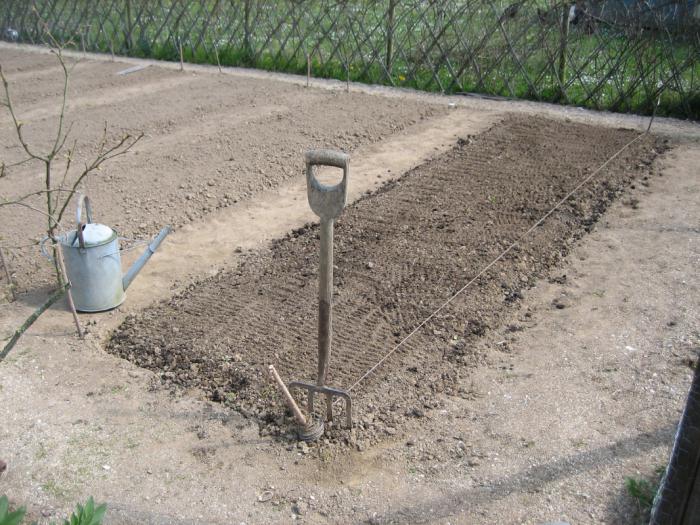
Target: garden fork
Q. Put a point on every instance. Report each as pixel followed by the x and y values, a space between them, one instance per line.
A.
pixel 327 202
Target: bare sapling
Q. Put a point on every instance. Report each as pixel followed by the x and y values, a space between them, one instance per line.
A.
pixel 63 176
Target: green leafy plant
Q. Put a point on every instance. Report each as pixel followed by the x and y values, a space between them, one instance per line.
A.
pixel 7 517
pixel 87 515
pixel 83 515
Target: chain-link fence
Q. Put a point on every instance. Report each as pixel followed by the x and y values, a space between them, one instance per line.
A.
pixel 621 55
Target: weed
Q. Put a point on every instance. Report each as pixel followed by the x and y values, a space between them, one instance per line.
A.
pixel 643 492
pixel 42 453
pixel 7 517
pixel 87 515
pixel 117 389
pixel 54 489
pixel 82 515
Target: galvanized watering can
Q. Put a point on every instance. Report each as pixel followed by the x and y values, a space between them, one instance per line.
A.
pixel 93 262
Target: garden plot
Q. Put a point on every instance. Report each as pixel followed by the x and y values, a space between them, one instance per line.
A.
pixel 400 253
pixel 211 142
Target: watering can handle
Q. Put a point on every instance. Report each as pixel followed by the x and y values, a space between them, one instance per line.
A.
pixel 327 201
pixel 42 247
pixel 79 217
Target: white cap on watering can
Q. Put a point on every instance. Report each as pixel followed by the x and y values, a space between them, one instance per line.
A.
pixel 94 233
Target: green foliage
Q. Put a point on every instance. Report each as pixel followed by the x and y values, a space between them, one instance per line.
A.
pixel 7 517
pixel 643 492
pixel 83 515
pixel 87 515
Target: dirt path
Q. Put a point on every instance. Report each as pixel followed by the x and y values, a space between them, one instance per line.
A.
pixel 212 142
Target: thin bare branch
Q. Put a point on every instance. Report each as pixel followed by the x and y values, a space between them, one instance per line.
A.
pixel 32 194
pixel 120 148
pixel 33 208
pixel 60 137
pixel 17 123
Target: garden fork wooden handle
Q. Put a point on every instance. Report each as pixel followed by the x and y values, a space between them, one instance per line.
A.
pixel 327 201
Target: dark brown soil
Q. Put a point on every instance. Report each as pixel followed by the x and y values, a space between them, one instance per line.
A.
pixel 399 255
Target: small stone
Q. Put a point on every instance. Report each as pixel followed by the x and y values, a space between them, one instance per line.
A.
pixel 560 303
pixel 265 496
pixel 370 265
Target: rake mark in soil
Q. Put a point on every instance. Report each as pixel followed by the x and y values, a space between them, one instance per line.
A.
pixel 399 254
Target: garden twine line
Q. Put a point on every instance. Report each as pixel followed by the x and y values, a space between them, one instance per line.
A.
pixel 502 254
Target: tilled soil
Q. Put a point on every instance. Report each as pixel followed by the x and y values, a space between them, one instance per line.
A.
pixel 399 255
pixel 210 142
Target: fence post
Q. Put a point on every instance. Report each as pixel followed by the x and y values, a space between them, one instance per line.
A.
pixel 129 28
pixel 562 49
pixel 677 501
pixel 246 29
pixel 390 36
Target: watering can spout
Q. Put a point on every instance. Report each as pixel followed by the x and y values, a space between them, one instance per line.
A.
pixel 141 262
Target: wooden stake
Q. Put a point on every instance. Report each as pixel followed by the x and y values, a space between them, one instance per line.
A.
pixel 347 77
pixel 287 396
pixel 216 52
pixel 308 69
pixel 71 304
pixel 564 38
pixel 7 274
pixel 182 61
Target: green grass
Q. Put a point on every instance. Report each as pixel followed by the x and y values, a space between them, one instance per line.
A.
pixel 643 490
